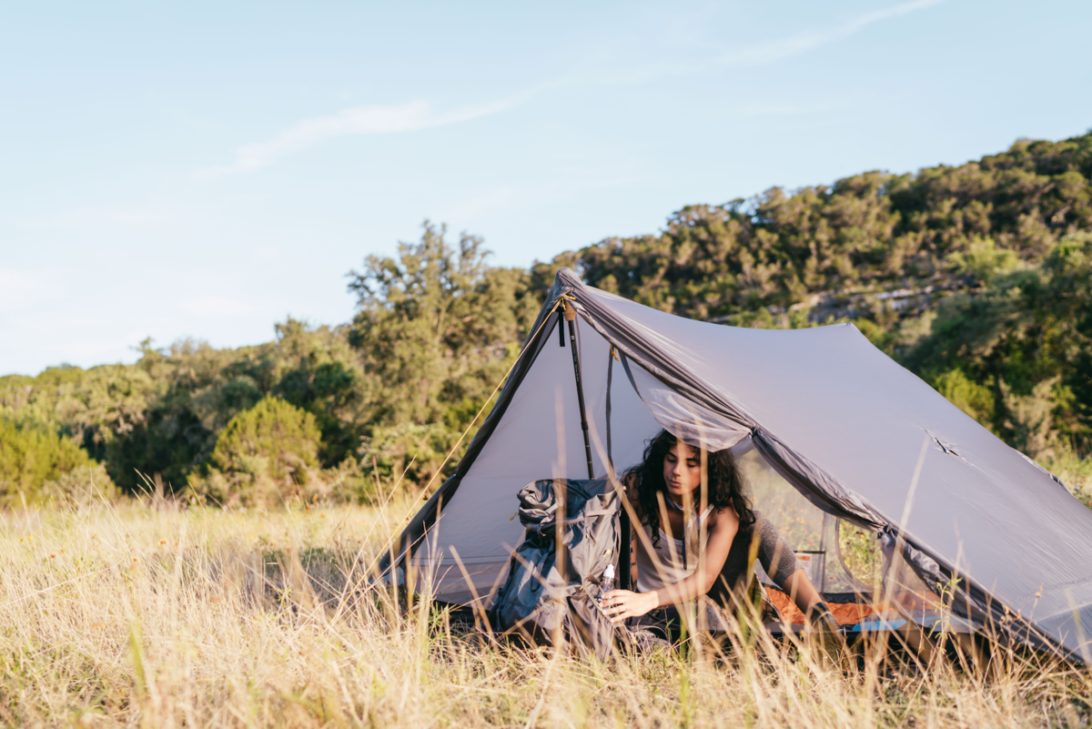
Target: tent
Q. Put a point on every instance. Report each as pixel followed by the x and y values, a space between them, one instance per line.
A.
pixel 836 431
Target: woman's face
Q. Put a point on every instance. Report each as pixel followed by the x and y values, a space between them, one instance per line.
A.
pixel 682 470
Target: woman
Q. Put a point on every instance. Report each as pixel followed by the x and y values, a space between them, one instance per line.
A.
pixel 665 490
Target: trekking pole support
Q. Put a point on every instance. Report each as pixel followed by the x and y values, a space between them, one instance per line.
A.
pixel 625 564
pixel 625 577
pixel 570 317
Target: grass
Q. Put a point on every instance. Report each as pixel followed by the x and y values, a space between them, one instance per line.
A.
pixel 1074 471
pixel 133 616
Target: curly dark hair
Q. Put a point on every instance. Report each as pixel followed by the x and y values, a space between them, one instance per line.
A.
pixel 724 479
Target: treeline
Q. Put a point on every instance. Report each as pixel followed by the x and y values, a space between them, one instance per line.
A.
pixel 976 277
pixel 318 412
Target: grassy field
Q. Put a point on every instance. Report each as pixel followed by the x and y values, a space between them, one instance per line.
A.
pixel 138 616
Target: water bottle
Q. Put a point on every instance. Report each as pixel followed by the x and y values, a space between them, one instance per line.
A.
pixel 606 584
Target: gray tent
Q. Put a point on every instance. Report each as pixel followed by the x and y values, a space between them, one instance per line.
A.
pixel 843 431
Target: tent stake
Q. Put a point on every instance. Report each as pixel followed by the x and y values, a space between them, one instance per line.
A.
pixel 570 317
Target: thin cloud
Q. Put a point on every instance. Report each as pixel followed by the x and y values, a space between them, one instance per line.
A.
pixel 772 51
pixel 409 117
pixel 418 115
pixel 761 53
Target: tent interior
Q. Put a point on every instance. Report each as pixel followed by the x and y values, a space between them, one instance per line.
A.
pixel 467 552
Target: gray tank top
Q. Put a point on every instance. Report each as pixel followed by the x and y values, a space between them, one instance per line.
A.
pixel 677 559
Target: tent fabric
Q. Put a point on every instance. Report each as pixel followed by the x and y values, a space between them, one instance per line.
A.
pixel 858 435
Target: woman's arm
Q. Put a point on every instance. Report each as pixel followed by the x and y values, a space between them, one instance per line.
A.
pixel 798 587
pixel 723 525
pixel 779 561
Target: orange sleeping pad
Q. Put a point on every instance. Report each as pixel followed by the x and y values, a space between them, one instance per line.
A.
pixel 854 612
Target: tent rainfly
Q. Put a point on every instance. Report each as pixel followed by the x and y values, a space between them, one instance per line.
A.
pixel 844 432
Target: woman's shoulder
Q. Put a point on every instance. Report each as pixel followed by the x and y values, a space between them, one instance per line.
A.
pixel 723 516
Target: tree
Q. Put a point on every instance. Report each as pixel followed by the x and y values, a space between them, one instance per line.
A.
pixel 37 466
pixel 977 277
pixel 264 456
pixel 436 328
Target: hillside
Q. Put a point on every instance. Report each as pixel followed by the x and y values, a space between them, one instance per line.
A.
pixel 851 248
pixel 976 277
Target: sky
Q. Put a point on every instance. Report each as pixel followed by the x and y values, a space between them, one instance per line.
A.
pixel 207 169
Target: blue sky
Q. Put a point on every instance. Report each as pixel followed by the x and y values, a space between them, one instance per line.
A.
pixel 207 169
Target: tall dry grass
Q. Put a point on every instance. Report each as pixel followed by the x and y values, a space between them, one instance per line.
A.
pixel 141 617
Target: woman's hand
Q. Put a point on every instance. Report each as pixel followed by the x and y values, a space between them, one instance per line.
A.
pixel 621 604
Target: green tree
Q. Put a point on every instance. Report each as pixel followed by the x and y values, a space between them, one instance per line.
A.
pixel 319 372
pixel 37 466
pixel 436 328
pixel 975 399
pixel 264 456
pixel 842 250
pixel 1027 339
pixel 976 276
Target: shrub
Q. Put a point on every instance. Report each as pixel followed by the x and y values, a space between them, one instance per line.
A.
pixel 264 456
pixel 971 397
pixel 409 451
pixel 1074 471
pixel 38 466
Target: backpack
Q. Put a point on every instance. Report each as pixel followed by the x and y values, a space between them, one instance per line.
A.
pixel 536 601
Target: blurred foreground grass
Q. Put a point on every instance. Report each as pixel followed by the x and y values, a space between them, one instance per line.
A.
pixel 141 617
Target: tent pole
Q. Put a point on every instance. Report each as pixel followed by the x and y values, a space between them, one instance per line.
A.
pixel 570 317
pixel 625 577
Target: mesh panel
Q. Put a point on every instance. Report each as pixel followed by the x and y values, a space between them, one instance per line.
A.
pixel 810 533
pixel 798 521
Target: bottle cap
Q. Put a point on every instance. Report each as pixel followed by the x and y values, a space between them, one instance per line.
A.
pixel 608 573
